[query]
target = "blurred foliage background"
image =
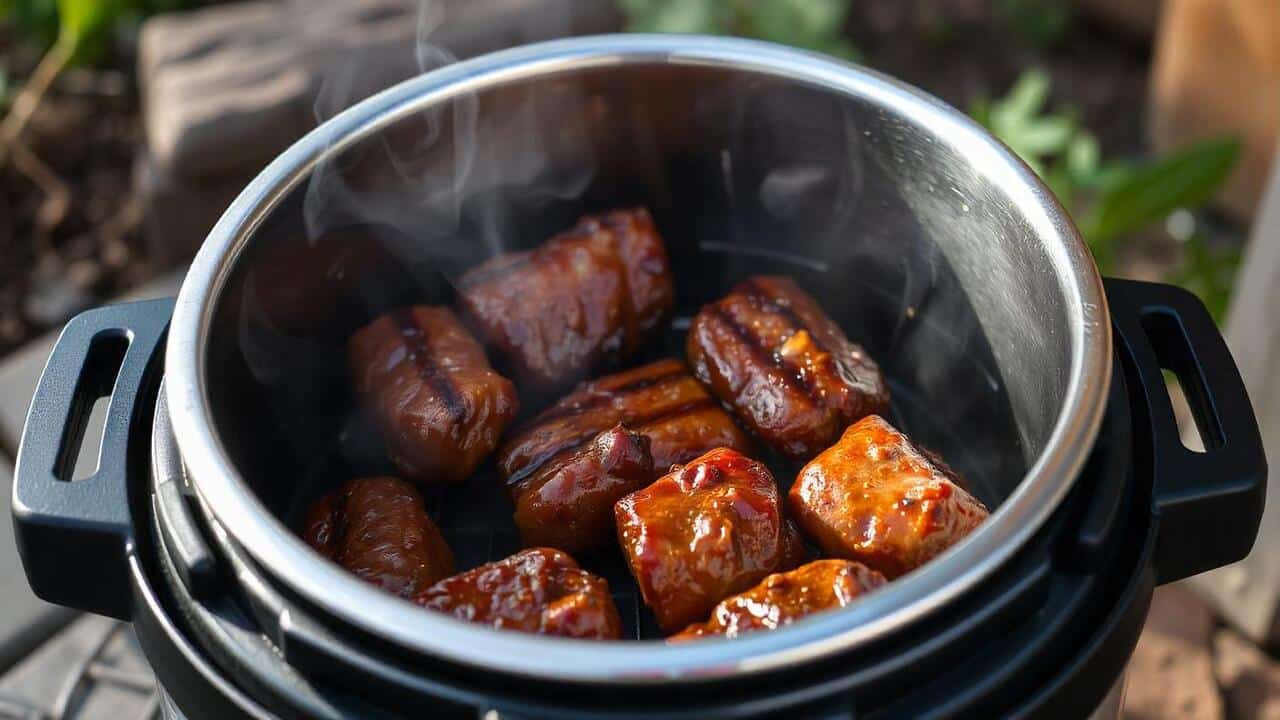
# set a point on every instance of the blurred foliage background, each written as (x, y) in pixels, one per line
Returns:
(1001, 60)
(1111, 199)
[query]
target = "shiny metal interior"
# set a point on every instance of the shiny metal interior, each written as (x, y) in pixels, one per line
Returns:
(925, 238)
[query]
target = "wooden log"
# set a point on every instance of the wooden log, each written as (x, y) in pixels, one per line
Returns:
(1216, 71)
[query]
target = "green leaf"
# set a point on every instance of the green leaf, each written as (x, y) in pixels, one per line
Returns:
(1017, 119)
(1060, 182)
(811, 24)
(1023, 102)
(79, 19)
(83, 25)
(1185, 179)
(1044, 136)
(1112, 174)
(1083, 158)
(980, 110)
(1209, 272)
(796, 22)
(842, 48)
(678, 16)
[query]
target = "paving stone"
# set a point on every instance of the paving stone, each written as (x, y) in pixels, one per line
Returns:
(1171, 672)
(92, 670)
(25, 620)
(1250, 678)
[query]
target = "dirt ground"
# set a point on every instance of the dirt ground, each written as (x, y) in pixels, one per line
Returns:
(69, 230)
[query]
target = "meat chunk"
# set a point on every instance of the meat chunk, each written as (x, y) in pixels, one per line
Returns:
(570, 505)
(783, 598)
(581, 301)
(439, 405)
(769, 351)
(661, 401)
(876, 498)
(702, 532)
(539, 590)
(378, 529)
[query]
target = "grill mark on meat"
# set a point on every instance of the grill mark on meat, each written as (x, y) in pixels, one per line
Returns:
(415, 337)
(604, 396)
(789, 373)
(757, 293)
(573, 442)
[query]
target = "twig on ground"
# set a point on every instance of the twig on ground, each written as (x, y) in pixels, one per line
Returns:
(57, 193)
(28, 99)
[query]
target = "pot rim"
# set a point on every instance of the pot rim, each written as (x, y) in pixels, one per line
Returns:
(230, 501)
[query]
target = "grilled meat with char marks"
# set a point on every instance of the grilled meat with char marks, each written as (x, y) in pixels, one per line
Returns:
(569, 505)
(769, 351)
(582, 301)
(440, 407)
(661, 401)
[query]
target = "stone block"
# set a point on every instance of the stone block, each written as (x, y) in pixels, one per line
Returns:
(226, 88)
(1171, 672)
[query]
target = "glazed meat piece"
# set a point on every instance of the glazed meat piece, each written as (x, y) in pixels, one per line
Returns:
(769, 351)
(702, 532)
(378, 529)
(539, 590)
(794, 553)
(876, 498)
(584, 299)
(783, 598)
(569, 505)
(661, 401)
(439, 405)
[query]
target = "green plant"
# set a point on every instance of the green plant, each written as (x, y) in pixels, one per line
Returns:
(1042, 23)
(811, 24)
(38, 21)
(79, 30)
(1209, 272)
(35, 20)
(1111, 200)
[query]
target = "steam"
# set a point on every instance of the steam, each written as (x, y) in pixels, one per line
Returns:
(452, 180)
(805, 188)
(428, 196)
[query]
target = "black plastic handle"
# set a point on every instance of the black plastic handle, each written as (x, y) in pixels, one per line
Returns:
(1208, 504)
(74, 536)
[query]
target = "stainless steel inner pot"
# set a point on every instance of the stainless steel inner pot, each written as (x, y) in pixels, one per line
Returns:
(925, 237)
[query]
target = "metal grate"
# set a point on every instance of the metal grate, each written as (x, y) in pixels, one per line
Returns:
(92, 675)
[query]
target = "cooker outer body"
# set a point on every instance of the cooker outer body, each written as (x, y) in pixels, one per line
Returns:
(1095, 568)
(1062, 667)
(1126, 481)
